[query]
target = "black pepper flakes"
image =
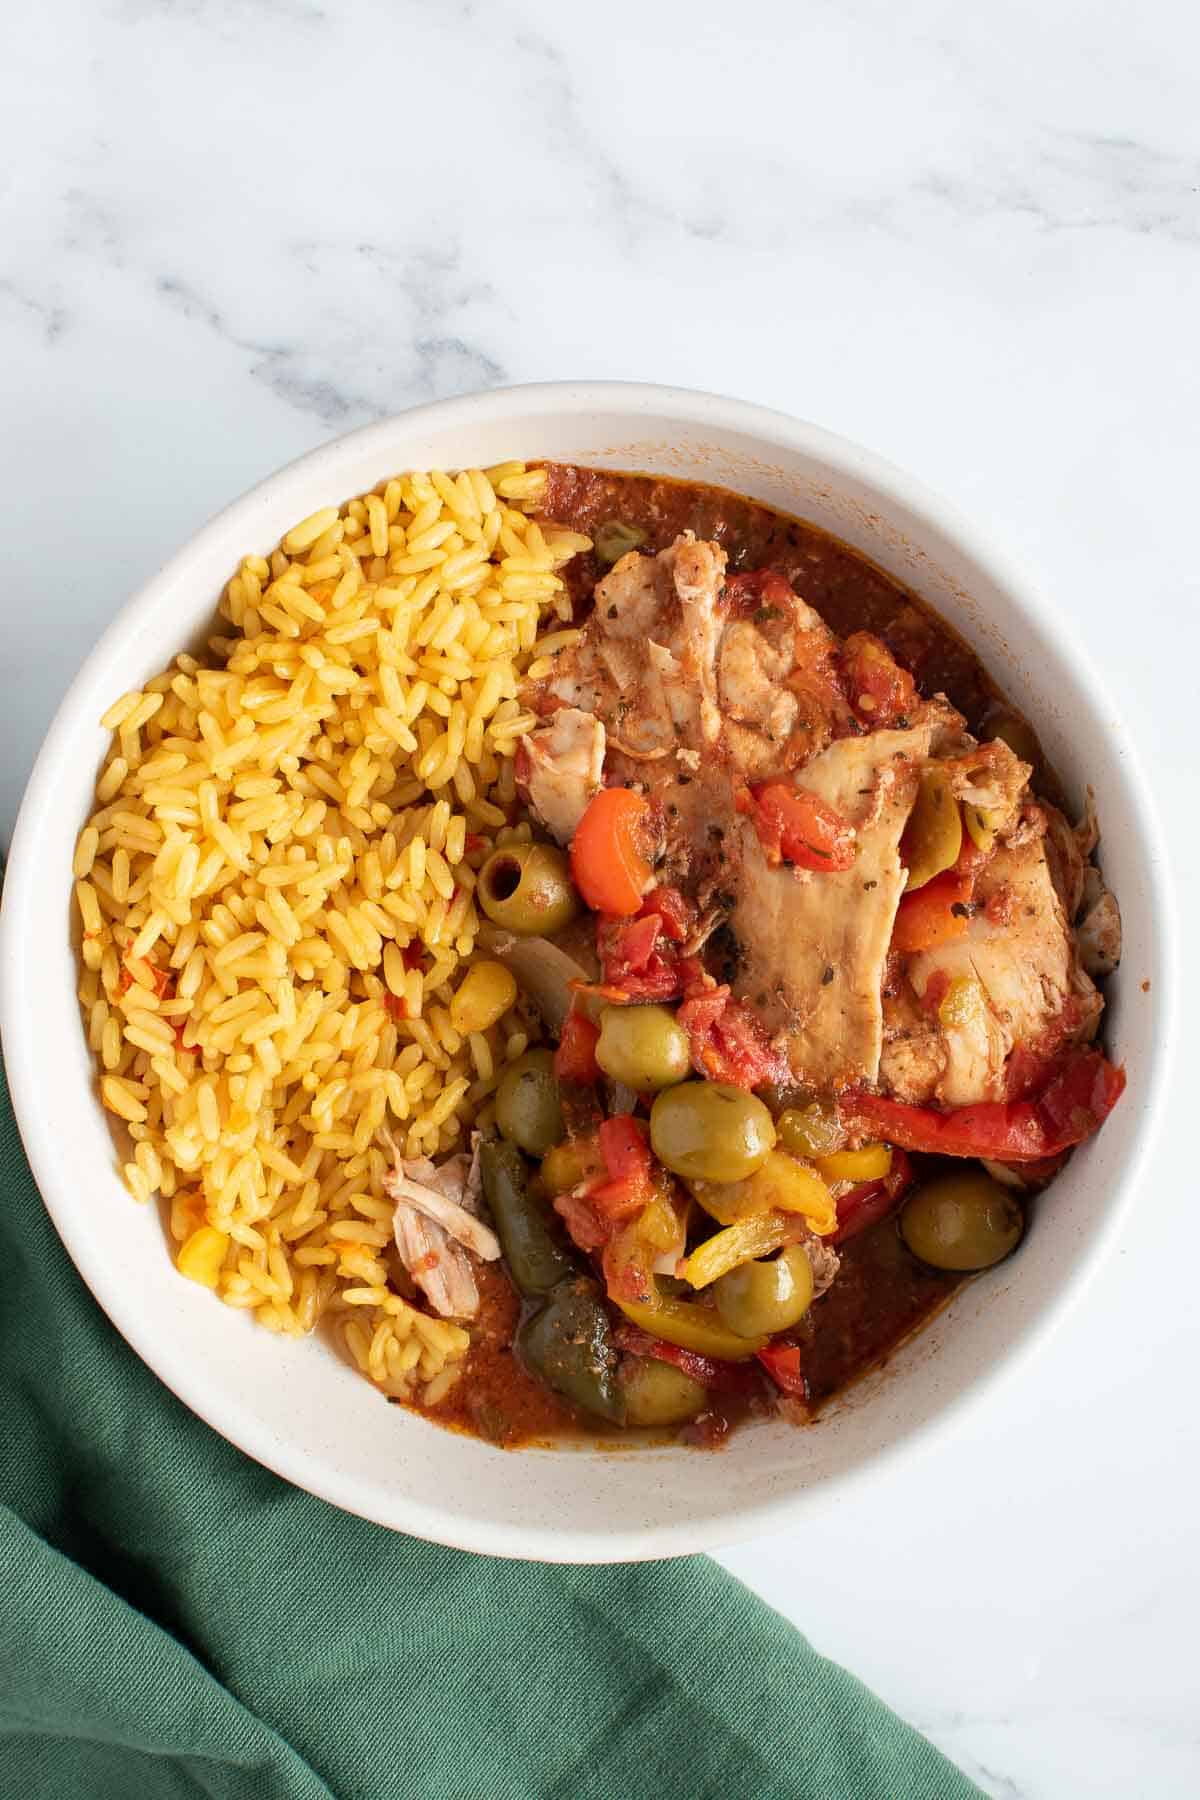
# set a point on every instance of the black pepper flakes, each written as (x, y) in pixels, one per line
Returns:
(868, 885)
(827, 976)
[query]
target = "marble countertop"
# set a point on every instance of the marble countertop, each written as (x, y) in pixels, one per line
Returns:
(969, 237)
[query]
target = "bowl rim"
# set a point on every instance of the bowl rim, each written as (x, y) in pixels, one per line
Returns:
(721, 415)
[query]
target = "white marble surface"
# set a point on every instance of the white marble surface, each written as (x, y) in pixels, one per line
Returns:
(968, 236)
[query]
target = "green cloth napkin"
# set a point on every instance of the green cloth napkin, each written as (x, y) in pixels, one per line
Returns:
(178, 1622)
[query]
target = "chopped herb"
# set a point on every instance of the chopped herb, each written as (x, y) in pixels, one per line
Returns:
(766, 613)
(962, 911)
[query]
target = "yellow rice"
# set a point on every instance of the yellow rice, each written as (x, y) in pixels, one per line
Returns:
(276, 825)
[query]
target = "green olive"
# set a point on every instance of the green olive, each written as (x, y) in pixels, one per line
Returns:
(642, 1046)
(961, 1221)
(527, 1106)
(933, 835)
(812, 1130)
(526, 888)
(655, 1393)
(758, 1299)
(1012, 730)
(563, 1168)
(614, 539)
(708, 1131)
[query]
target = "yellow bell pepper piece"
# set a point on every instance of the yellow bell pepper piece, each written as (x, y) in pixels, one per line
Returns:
(750, 1238)
(963, 1003)
(871, 1163)
(982, 823)
(201, 1255)
(486, 993)
(782, 1184)
(691, 1327)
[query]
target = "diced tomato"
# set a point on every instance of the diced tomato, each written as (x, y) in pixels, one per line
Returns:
(584, 1223)
(796, 826)
(1072, 1105)
(726, 1041)
(871, 1201)
(880, 691)
(629, 1167)
(473, 842)
(782, 1363)
(628, 943)
(162, 980)
(394, 1006)
(608, 852)
(678, 915)
(722, 1377)
(759, 591)
(638, 955)
(575, 1058)
(934, 914)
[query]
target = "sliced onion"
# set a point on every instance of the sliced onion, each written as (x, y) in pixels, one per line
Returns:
(1005, 1174)
(621, 1099)
(543, 972)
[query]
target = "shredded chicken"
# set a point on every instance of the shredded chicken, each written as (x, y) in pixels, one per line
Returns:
(1013, 978)
(698, 694)
(1098, 932)
(563, 764)
(825, 1263)
(435, 1225)
(815, 945)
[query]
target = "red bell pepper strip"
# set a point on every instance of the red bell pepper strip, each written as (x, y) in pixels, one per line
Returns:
(722, 1377)
(782, 1363)
(864, 1205)
(1074, 1103)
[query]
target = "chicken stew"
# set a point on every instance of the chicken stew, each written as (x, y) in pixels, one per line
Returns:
(812, 954)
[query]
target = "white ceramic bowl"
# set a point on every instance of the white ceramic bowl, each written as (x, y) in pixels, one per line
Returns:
(296, 1407)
